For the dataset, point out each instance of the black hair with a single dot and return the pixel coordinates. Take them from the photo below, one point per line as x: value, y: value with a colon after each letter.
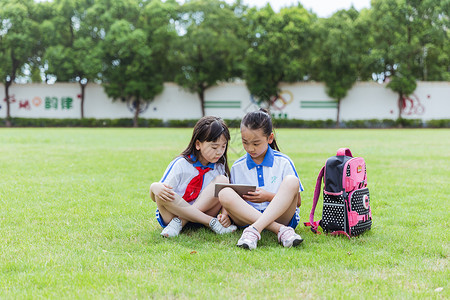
x: 260, y: 119
x: 208, y: 129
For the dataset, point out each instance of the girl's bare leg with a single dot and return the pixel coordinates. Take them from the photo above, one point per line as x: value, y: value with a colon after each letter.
x: 283, y: 205
x: 206, y: 202
x: 281, y: 209
x: 240, y: 211
x: 202, y: 211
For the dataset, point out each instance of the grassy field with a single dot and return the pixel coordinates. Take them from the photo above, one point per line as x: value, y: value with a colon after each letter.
x: 76, y: 221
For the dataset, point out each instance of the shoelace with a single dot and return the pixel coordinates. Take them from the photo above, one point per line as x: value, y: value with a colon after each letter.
x: 250, y: 235
x: 286, y: 234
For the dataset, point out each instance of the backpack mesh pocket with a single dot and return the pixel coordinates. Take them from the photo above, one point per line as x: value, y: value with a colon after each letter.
x: 333, y: 215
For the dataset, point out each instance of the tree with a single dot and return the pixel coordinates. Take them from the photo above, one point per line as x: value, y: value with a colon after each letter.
x: 337, y: 54
x: 19, y: 36
x: 404, y: 84
x: 209, y: 48
x: 74, y: 53
x: 432, y: 23
x: 135, y: 54
x: 402, y: 30
x: 44, y: 12
x: 279, y: 49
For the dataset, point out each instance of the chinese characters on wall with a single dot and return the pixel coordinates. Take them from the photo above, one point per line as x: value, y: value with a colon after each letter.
x: 49, y: 103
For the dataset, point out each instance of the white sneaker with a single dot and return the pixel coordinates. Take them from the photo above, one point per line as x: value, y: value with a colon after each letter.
x: 249, y: 238
x: 173, y: 228
x: 219, y: 229
x: 288, y: 237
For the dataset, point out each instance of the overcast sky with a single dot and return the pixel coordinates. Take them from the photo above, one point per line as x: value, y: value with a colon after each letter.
x: 323, y: 8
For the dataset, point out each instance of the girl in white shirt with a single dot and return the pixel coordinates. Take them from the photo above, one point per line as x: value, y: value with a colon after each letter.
x: 274, y: 204
x: 186, y: 191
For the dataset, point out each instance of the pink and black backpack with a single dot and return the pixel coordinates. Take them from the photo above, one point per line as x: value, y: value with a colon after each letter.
x: 346, y: 205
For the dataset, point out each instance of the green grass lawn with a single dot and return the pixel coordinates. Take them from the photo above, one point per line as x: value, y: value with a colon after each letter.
x: 76, y: 220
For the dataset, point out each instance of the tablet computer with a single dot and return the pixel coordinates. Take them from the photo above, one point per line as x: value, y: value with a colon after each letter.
x: 241, y: 189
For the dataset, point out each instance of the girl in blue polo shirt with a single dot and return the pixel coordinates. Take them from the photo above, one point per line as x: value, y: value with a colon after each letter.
x: 186, y: 191
x: 274, y: 204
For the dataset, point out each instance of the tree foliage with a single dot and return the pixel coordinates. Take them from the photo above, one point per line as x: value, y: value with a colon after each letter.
x: 407, y: 35
x: 279, y: 49
x: 210, y: 48
x: 340, y: 57
x: 19, y: 41
x: 135, y: 56
x: 134, y: 46
x: 74, y: 52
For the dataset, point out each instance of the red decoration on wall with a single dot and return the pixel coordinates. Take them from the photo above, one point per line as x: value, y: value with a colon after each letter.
x: 24, y: 104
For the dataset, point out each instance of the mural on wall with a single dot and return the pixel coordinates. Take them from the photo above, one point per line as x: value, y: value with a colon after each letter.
x: 277, y: 103
x: 280, y: 101
x: 49, y: 103
x: 412, y: 106
x: 54, y: 102
x: 133, y: 103
x: 307, y: 101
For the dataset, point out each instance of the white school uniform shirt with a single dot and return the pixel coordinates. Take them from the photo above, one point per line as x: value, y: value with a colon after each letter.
x: 180, y: 172
x: 267, y: 175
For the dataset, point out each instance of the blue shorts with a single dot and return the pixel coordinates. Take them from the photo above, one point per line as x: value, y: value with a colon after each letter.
x: 295, y: 219
x: 293, y: 223
x: 160, y: 219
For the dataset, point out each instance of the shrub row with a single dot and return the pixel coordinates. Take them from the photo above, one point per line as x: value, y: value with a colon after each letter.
x: 188, y: 123
x: 86, y: 122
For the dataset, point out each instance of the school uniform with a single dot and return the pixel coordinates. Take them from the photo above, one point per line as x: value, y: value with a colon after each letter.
x: 268, y: 175
x: 180, y: 172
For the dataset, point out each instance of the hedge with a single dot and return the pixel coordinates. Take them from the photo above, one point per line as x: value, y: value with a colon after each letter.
x: 86, y: 122
x: 234, y: 123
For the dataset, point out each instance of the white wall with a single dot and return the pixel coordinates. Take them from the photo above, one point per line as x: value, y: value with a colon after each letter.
x: 308, y: 101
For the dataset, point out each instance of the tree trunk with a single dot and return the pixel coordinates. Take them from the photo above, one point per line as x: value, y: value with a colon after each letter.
x: 83, y: 87
x: 8, y: 111
x: 400, y: 109
x: 136, y: 112
x: 338, y: 121
x: 201, y: 94
x: 8, y: 83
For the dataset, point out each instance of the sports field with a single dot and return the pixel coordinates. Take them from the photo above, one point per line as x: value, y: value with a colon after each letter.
x: 76, y: 221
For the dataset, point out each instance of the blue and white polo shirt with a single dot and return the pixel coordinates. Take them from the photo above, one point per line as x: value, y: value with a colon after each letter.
x: 267, y: 175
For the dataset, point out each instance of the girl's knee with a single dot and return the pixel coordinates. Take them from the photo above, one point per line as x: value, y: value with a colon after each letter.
x: 292, y: 181
x: 226, y: 196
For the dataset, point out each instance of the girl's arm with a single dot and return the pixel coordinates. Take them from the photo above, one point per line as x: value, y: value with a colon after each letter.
x: 259, y: 196
x: 161, y: 190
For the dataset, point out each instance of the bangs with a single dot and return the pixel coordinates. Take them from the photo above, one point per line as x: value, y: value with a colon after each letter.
x: 216, y: 129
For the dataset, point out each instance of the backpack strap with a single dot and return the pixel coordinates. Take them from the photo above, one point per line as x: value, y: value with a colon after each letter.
x: 335, y: 233
x: 344, y: 152
x: 315, y: 224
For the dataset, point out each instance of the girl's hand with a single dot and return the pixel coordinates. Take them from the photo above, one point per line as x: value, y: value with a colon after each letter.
x: 163, y: 191
x: 259, y: 196
x: 224, y: 219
